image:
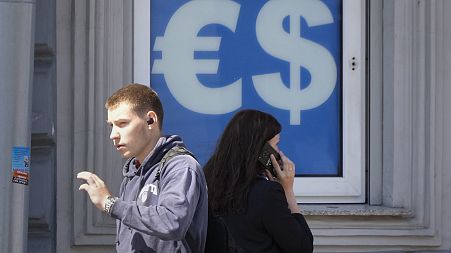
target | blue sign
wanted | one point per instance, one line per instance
(211, 59)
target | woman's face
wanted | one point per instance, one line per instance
(274, 142)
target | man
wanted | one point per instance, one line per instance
(160, 208)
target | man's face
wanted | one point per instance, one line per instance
(129, 132)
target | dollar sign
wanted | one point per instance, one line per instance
(179, 66)
(291, 47)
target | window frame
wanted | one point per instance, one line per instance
(350, 187)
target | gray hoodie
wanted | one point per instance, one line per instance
(166, 213)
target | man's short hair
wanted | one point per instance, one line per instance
(140, 98)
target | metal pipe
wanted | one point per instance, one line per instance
(17, 22)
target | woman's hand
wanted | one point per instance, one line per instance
(285, 174)
(285, 177)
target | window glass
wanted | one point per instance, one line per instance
(210, 59)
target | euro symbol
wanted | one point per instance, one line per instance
(178, 65)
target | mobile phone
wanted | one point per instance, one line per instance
(265, 159)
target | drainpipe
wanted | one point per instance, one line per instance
(17, 22)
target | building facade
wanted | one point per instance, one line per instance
(84, 51)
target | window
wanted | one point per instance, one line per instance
(302, 61)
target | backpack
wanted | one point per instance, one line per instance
(219, 238)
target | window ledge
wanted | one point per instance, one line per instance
(361, 210)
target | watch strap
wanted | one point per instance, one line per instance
(109, 204)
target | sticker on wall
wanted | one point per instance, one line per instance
(20, 163)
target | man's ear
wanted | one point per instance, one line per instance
(152, 118)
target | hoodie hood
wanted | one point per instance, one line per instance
(164, 144)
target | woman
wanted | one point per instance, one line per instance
(260, 211)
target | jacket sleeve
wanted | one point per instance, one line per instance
(290, 231)
(179, 193)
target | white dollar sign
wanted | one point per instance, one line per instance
(298, 52)
(179, 66)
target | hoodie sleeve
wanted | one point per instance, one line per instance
(179, 193)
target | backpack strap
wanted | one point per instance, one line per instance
(174, 151)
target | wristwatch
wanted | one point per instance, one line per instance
(110, 200)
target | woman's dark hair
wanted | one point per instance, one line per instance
(234, 166)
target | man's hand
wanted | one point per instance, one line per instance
(95, 187)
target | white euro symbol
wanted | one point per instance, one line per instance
(178, 65)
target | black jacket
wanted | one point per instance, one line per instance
(268, 225)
